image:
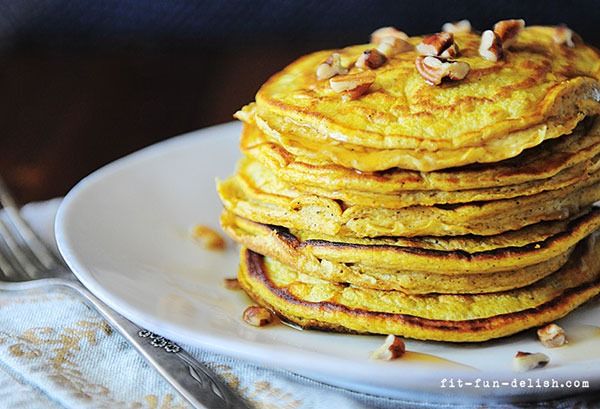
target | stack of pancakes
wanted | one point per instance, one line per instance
(458, 212)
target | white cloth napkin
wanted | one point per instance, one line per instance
(55, 352)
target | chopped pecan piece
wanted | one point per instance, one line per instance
(331, 67)
(507, 30)
(353, 85)
(563, 35)
(257, 316)
(392, 348)
(435, 70)
(490, 47)
(384, 32)
(526, 361)
(231, 283)
(462, 26)
(552, 336)
(390, 46)
(208, 237)
(372, 59)
(440, 45)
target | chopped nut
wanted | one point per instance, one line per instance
(507, 30)
(231, 283)
(331, 67)
(458, 70)
(450, 52)
(390, 41)
(385, 32)
(257, 316)
(390, 46)
(371, 59)
(435, 70)
(354, 85)
(462, 26)
(563, 35)
(440, 45)
(552, 336)
(392, 348)
(208, 237)
(526, 361)
(490, 47)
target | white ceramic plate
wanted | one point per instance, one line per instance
(124, 231)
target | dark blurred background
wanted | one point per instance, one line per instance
(85, 82)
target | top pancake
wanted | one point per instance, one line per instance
(539, 163)
(500, 109)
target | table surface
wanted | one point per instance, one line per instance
(66, 113)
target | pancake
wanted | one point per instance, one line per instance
(313, 303)
(539, 91)
(320, 153)
(327, 216)
(534, 233)
(410, 282)
(273, 241)
(542, 162)
(255, 174)
(282, 246)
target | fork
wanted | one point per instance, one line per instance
(26, 263)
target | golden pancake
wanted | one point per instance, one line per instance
(320, 153)
(274, 241)
(534, 233)
(411, 282)
(542, 162)
(255, 174)
(313, 303)
(282, 246)
(539, 91)
(327, 216)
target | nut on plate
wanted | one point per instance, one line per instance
(208, 237)
(372, 59)
(439, 44)
(331, 67)
(231, 283)
(392, 348)
(508, 30)
(563, 35)
(353, 85)
(258, 316)
(385, 32)
(526, 361)
(552, 336)
(435, 70)
(462, 26)
(490, 47)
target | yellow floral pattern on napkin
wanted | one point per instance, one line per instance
(71, 355)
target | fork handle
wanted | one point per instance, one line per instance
(193, 380)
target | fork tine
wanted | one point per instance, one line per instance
(38, 249)
(7, 271)
(25, 267)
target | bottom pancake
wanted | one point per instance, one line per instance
(454, 318)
